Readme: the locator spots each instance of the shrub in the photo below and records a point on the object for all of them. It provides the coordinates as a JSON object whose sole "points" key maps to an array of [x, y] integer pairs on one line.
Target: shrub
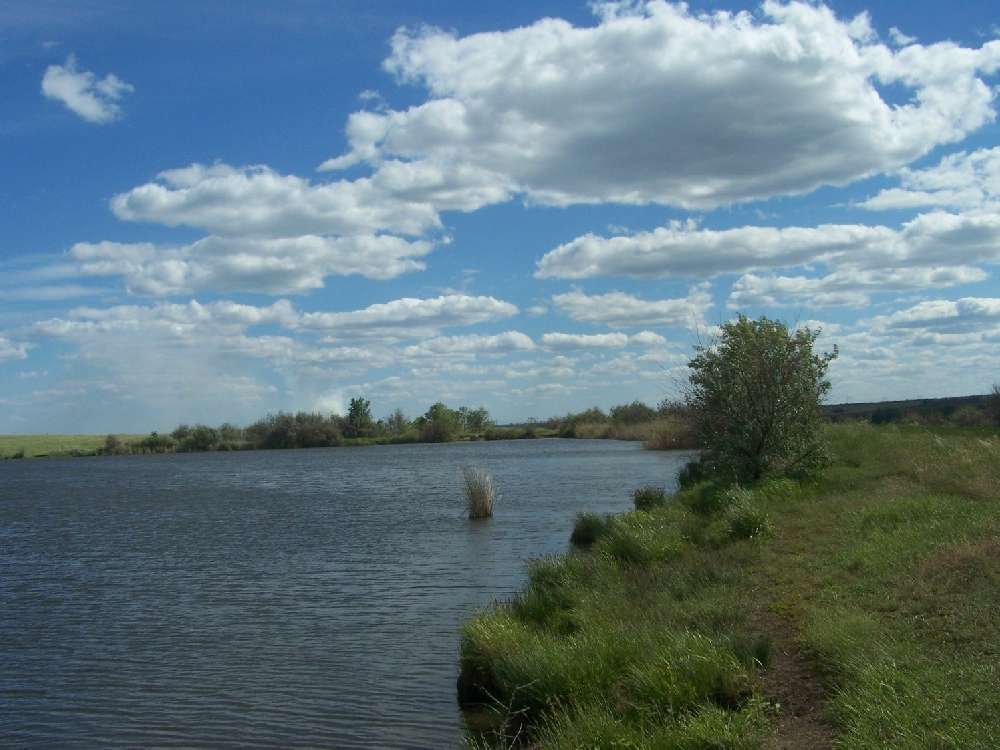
{"points": [[648, 497], [634, 413], [480, 493], [756, 392], [589, 527]]}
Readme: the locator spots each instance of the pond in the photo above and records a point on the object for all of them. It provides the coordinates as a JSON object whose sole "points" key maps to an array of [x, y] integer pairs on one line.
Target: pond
{"points": [[293, 599]]}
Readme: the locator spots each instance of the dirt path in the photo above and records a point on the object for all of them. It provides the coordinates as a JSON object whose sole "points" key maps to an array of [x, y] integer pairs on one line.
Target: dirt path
{"points": [[791, 681]]}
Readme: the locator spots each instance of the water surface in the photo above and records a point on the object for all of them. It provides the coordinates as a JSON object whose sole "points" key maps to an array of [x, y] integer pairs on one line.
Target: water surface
{"points": [[306, 598]]}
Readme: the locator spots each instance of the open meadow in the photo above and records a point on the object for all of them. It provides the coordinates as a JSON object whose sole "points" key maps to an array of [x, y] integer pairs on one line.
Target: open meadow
{"points": [[39, 446]]}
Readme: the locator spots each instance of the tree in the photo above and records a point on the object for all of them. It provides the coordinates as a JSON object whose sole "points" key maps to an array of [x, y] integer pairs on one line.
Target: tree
{"points": [[439, 424], [359, 418], [475, 420], [755, 391]]}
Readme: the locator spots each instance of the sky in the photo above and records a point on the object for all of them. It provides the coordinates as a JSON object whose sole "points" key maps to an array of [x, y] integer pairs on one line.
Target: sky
{"points": [[214, 210]]}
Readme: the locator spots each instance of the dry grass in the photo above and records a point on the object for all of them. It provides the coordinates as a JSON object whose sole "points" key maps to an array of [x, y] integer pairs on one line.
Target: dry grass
{"points": [[480, 493]]}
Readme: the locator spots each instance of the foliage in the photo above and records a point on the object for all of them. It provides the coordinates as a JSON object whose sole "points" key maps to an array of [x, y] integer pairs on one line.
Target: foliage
{"points": [[756, 393], [588, 528], [634, 413], [648, 497], [475, 421], [359, 419], [439, 424]]}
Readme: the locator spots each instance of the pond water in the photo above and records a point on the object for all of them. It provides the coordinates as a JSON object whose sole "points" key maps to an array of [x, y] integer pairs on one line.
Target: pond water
{"points": [[306, 598]]}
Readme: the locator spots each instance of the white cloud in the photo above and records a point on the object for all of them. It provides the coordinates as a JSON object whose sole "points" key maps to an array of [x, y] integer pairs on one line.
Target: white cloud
{"points": [[94, 100], [961, 180], [574, 341], [647, 338], [271, 266], [9, 350], [655, 104], [850, 287], [258, 202], [899, 38], [407, 318], [929, 240], [470, 345], [936, 321], [620, 310]]}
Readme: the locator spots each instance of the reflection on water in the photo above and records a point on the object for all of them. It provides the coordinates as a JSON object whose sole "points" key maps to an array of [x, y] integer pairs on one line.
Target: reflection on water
{"points": [[271, 599]]}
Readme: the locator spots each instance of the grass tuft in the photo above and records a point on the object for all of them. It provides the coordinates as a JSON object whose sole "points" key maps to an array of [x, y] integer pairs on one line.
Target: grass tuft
{"points": [[588, 528], [480, 493], [649, 497]]}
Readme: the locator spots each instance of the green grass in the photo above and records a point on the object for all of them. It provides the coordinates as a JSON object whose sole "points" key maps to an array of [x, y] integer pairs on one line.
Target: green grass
{"points": [[38, 446], [885, 570]]}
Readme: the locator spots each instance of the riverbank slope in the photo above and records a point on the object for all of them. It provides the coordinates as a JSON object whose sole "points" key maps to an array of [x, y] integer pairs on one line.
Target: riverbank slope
{"points": [[861, 608]]}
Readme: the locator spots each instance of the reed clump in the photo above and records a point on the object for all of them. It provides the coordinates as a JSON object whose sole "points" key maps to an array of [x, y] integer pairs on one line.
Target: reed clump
{"points": [[480, 492]]}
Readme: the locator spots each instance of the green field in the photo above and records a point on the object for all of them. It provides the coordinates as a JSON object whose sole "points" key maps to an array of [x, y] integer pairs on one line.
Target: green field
{"points": [[858, 610], [39, 446]]}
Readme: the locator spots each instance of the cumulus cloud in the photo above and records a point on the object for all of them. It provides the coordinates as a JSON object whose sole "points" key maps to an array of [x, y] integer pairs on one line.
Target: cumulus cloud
{"points": [[407, 317], [259, 202], [575, 341], [655, 104], [647, 338], [620, 310], [685, 251], [960, 181], [270, 266], [470, 345], [944, 321], [385, 323], [851, 287], [94, 100], [9, 350]]}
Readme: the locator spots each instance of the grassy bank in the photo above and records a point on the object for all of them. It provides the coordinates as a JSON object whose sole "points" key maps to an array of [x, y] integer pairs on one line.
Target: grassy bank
{"points": [[861, 608], [40, 446]]}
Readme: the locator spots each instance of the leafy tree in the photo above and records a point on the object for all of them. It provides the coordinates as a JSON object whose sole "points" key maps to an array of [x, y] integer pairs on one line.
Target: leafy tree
{"points": [[439, 424], [475, 420], [397, 421], [755, 391], [359, 418]]}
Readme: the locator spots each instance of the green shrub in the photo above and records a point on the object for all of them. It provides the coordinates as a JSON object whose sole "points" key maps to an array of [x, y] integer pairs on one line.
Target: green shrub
{"points": [[588, 528], [648, 497], [756, 392]]}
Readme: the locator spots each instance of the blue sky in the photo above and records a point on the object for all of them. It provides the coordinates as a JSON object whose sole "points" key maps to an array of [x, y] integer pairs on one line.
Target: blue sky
{"points": [[214, 210]]}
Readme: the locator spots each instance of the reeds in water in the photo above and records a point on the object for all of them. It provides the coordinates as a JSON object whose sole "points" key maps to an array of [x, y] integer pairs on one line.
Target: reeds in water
{"points": [[480, 494]]}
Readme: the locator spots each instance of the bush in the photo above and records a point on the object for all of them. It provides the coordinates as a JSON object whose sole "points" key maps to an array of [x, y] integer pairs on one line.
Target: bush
{"points": [[634, 413], [756, 392], [648, 497], [589, 527]]}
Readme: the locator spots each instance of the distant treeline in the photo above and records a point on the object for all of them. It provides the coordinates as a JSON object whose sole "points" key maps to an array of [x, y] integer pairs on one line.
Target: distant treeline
{"points": [[960, 411], [439, 424]]}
